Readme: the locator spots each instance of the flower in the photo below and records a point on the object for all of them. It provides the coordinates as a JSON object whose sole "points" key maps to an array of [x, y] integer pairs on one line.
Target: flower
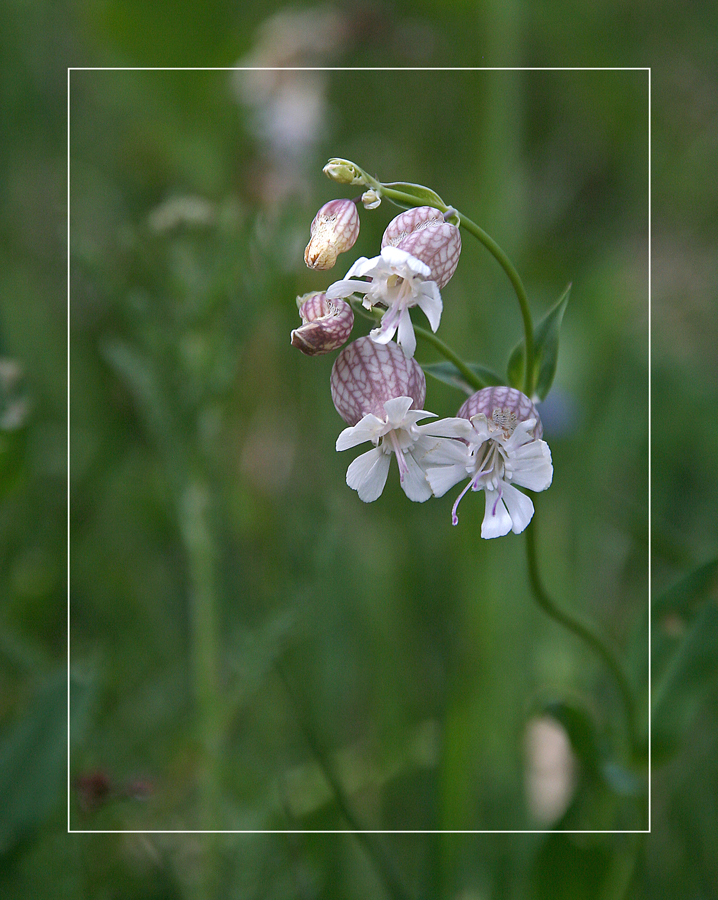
{"points": [[380, 392], [504, 449], [334, 230], [398, 281], [426, 235], [326, 324]]}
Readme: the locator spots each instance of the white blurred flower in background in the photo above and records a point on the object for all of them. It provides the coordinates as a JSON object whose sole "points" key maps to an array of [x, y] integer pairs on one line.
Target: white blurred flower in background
{"points": [[288, 110], [550, 769]]}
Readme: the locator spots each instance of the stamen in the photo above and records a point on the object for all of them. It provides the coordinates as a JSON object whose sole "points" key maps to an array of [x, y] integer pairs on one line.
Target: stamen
{"points": [[399, 453], [472, 484]]}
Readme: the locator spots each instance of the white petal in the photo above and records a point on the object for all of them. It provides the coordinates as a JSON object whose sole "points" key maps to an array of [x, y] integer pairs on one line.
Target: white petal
{"points": [[396, 410], [367, 474], [429, 302], [406, 337], [481, 429], [367, 429], [413, 415], [454, 427], [520, 508], [497, 521], [443, 478], [532, 467], [440, 451], [414, 482], [523, 434], [346, 288], [363, 266], [400, 259]]}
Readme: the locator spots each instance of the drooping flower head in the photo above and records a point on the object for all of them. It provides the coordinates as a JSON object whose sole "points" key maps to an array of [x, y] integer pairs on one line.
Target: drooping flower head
{"points": [[334, 230], [426, 235], [380, 393], [398, 281], [504, 449], [326, 324]]}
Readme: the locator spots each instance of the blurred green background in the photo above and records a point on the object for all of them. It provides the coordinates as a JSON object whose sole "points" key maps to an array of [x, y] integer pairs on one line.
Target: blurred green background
{"points": [[252, 647]]}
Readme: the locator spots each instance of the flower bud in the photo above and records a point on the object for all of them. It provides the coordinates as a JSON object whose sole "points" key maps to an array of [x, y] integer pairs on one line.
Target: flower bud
{"points": [[343, 171], [326, 324], [334, 230], [424, 233], [371, 199], [505, 407], [366, 374]]}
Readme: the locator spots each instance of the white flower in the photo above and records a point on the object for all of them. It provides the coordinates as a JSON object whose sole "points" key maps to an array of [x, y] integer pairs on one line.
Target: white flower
{"points": [[398, 281], [503, 450], [415, 446]]}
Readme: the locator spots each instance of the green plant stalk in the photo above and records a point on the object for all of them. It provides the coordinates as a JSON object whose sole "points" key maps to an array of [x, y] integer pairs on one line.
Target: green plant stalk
{"points": [[204, 636], [431, 338], [448, 353], [502, 259], [587, 633], [381, 859]]}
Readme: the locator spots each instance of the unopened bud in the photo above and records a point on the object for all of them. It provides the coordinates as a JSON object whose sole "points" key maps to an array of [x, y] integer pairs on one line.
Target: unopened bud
{"points": [[343, 171], [327, 324], [505, 407], [366, 374], [426, 235], [334, 230], [370, 199]]}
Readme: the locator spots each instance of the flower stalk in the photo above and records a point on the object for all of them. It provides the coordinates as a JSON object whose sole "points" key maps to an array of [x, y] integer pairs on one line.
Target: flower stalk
{"points": [[588, 634]]}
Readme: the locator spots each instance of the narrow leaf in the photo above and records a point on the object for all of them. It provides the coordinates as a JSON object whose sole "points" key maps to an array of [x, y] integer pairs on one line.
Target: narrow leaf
{"points": [[33, 757], [681, 597], [423, 194], [546, 334], [686, 675], [450, 374]]}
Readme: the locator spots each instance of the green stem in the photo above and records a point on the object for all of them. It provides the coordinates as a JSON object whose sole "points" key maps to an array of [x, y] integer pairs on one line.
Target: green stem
{"points": [[204, 636], [521, 296], [586, 632], [376, 851], [503, 260], [470, 377]]}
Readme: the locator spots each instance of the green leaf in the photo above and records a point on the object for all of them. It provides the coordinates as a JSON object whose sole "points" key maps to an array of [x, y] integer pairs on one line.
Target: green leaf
{"points": [[33, 758], [546, 334], [687, 674], [598, 767], [450, 374], [684, 655], [681, 597], [425, 195]]}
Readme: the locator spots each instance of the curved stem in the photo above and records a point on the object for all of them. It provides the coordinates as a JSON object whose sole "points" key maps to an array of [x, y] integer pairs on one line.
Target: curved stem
{"points": [[586, 631], [521, 296], [470, 377], [403, 198]]}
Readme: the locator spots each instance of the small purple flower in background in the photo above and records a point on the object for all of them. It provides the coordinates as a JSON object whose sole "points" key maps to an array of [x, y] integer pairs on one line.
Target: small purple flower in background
{"points": [[380, 393], [334, 230], [424, 233], [326, 326], [398, 281], [504, 449]]}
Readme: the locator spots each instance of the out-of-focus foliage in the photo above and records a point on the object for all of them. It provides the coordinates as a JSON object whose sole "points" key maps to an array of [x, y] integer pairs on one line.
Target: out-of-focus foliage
{"points": [[246, 635]]}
